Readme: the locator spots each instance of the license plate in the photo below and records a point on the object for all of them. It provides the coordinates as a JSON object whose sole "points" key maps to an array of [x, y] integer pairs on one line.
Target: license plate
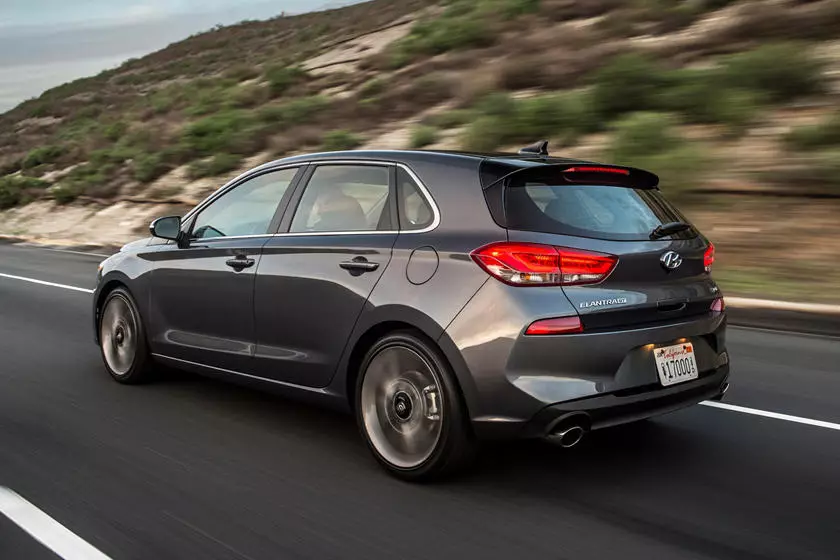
{"points": [[675, 364]]}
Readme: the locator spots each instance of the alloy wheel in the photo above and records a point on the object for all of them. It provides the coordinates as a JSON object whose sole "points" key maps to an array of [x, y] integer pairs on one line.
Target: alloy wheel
{"points": [[402, 407]]}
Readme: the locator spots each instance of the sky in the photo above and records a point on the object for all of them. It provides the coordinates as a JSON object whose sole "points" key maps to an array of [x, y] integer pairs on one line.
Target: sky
{"points": [[45, 43]]}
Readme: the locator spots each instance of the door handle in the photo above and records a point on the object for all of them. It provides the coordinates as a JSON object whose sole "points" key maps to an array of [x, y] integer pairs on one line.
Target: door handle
{"points": [[358, 266], [240, 263]]}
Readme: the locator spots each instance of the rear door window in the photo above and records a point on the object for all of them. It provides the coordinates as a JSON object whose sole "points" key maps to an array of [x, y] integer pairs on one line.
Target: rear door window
{"points": [[345, 198], [597, 211]]}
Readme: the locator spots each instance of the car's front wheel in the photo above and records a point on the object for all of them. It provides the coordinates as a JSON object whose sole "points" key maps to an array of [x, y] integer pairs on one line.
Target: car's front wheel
{"points": [[410, 411], [122, 339]]}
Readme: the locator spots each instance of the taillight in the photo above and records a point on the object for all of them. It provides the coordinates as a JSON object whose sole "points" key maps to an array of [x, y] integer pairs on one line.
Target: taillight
{"points": [[531, 264], [559, 325], [709, 257], [718, 305]]}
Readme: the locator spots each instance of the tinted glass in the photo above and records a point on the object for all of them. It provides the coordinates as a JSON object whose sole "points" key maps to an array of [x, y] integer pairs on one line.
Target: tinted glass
{"points": [[345, 198], [605, 212], [245, 210], [415, 212]]}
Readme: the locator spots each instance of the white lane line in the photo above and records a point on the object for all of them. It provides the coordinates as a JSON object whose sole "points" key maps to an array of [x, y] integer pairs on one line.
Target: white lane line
{"points": [[45, 529], [45, 283], [776, 415]]}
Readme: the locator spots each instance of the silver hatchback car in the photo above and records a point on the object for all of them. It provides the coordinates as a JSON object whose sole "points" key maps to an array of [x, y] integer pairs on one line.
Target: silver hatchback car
{"points": [[443, 297]]}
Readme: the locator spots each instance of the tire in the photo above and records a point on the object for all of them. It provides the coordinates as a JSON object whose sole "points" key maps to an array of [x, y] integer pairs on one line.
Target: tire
{"points": [[410, 411], [122, 339]]}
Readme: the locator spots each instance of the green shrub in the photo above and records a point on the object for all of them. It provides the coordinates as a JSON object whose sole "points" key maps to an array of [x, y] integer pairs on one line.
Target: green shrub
{"points": [[294, 112], [79, 129], [215, 166], [42, 155], [65, 194], [114, 155], [242, 72], [19, 190], [164, 100], [231, 131], [628, 83], [340, 140], [783, 71], [148, 167], [700, 98], [821, 135], [643, 134], [88, 178], [449, 119], [485, 134], [649, 141], [422, 136], [496, 104], [372, 88], [115, 131], [464, 24], [281, 78], [504, 120], [250, 95]]}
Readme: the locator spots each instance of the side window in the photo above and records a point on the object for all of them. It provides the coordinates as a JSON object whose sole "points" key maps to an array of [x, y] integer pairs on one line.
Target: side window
{"points": [[246, 209], [415, 212], [345, 198]]}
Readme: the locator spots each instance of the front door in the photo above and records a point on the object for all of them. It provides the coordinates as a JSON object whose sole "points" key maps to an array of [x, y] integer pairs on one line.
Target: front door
{"points": [[315, 279], [202, 294]]}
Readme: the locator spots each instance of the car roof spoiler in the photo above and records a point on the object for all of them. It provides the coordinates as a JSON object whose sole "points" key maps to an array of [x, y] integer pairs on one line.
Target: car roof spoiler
{"points": [[572, 173]]}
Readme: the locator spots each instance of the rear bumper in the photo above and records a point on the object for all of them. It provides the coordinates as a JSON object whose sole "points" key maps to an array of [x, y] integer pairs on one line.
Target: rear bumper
{"points": [[611, 410]]}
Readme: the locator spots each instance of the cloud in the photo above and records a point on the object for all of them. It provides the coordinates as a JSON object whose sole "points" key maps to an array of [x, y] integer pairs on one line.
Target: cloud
{"points": [[143, 12]]}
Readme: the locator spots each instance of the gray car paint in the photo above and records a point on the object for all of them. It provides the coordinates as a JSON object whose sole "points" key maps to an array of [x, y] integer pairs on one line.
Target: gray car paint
{"points": [[312, 321]]}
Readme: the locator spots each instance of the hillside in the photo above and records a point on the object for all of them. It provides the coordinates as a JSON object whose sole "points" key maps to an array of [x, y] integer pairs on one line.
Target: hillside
{"points": [[733, 103]]}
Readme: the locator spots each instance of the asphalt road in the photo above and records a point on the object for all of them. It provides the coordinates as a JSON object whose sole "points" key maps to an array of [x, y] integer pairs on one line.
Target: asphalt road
{"points": [[191, 468]]}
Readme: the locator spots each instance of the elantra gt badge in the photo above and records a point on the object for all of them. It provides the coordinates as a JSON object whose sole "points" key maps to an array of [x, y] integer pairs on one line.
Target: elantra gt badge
{"points": [[603, 302]]}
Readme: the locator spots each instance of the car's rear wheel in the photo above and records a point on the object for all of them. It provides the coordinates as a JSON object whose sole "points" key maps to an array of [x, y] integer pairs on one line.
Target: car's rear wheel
{"points": [[122, 339], [409, 409]]}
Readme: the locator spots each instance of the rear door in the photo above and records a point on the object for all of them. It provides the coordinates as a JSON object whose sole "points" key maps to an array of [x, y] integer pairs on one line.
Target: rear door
{"points": [[202, 292], [315, 278], [654, 280]]}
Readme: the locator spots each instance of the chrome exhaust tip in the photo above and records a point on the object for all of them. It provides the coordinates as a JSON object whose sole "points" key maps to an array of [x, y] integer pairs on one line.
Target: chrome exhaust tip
{"points": [[723, 390], [568, 437], [569, 431]]}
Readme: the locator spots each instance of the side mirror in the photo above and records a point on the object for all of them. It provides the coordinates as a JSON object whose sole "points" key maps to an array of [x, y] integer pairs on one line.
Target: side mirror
{"points": [[166, 228]]}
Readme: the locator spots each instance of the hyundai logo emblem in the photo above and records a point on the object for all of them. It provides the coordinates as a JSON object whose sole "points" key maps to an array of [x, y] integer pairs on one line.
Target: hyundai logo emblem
{"points": [[670, 260]]}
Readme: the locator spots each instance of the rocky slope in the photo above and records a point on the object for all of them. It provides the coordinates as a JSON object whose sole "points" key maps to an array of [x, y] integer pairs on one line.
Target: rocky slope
{"points": [[734, 103]]}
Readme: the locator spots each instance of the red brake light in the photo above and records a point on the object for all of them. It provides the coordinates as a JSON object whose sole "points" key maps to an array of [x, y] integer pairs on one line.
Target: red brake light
{"points": [[709, 257], [531, 264], [718, 305], [560, 325], [597, 170]]}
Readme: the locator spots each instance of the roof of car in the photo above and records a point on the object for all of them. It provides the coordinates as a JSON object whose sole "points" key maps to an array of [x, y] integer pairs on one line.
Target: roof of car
{"points": [[430, 155]]}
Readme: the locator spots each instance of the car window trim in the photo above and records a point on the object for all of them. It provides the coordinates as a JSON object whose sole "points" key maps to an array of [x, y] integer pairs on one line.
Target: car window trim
{"points": [[304, 181], [302, 177]]}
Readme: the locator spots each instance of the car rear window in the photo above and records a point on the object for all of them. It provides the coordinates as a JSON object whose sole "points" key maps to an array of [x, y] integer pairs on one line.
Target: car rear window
{"points": [[599, 211]]}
